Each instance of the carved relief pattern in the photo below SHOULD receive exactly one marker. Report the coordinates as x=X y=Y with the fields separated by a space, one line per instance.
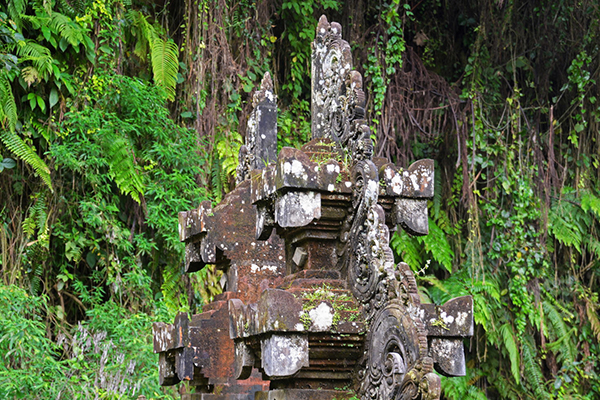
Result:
x=338 y=99
x=395 y=365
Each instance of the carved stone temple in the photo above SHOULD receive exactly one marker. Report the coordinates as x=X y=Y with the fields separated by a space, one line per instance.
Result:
x=314 y=306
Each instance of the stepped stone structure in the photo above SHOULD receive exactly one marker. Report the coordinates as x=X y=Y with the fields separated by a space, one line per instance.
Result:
x=314 y=306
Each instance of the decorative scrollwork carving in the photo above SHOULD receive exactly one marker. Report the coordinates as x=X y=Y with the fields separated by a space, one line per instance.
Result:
x=338 y=100
x=397 y=366
x=364 y=247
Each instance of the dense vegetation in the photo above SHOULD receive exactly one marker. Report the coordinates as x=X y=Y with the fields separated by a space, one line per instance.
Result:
x=117 y=114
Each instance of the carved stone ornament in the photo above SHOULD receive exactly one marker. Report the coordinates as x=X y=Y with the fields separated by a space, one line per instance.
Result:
x=313 y=300
x=338 y=101
x=261 y=133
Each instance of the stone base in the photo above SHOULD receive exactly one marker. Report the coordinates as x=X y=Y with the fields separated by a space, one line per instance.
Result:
x=212 y=396
x=304 y=394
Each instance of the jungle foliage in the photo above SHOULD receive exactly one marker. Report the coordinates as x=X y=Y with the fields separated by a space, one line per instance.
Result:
x=117 y=114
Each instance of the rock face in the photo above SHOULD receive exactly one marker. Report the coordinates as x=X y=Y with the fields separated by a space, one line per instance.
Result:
x=314 y=301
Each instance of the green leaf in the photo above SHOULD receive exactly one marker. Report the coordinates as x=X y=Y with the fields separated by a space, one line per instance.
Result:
x=41 y=103
x=32 y=101
x=53 y=99
x=7 y=163
x=165 y=65
x=15 y=144
x=510 y=344
x=63 y=44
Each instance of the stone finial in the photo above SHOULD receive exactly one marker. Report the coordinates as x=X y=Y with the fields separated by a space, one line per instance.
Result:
x=261 y=134
x=338 y=100
x=265 y=92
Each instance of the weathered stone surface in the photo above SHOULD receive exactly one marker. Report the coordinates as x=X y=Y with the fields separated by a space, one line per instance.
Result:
x=166 y=369
x=449 y=356
x=282 y=355
x=415 y=182
x=453 y=318
x=224 y=235
x=261 y=134
x=304 y=394
x=297 y=209
x=412 y=215
x=164 y=337
x=314 y=299
x=295 y=169
x=331 y=63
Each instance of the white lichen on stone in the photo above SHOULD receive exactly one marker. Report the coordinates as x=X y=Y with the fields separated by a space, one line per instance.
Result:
x=321 y=317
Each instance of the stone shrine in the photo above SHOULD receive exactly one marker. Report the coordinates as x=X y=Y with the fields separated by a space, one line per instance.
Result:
x=314 y=306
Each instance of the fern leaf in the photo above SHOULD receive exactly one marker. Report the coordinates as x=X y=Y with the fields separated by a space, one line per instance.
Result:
x=144 y=33
x=433 y=281
x=560 y=333
x=170 y=287
x=437 y=244
x=8 y=106
x=216 y=182
x=67 y=29
x=16 y=9
x=560 y=225
x=39 y=55
x=510 y=344
x=165 y=65
x=589 y=202
x=590 y=309
x=16 y=145
x=30 y=75
x=408 y=248
x=532 y=371
x=593 y=245
x=507 y=388
x=122 y=166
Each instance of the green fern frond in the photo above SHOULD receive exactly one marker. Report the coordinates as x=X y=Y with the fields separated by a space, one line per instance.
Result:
x=433 y=281
x=510 y=344
x=559 y=334
x=16 y=9
x=507 y=388
x=143 y=31
x=486 y=298
x=592 y=314
x=122 y=166
x=589 y=202
x=36 y=223
x=216 y=181
x=532 y=371
x=171 y=287
x=442 y=291
x=39 y=56
x=8 y=106
x=408 y=249
x=165 y=65
x=16 y=145
x=565 y=231
x=67 y=29
x=164 y=53
x=593 y=245
x=437 y=244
